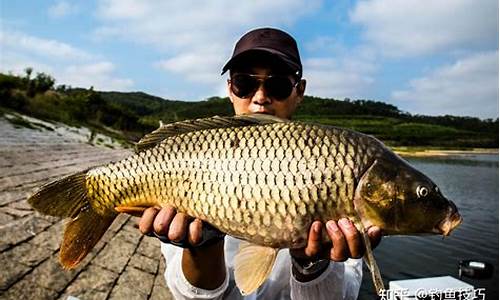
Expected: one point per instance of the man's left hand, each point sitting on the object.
(346, 241)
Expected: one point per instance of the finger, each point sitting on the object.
(163, 219)
(375, 235)
(195, 232)
(147, 219)
(352, 237)
(178, 227)
(339, 249)
(313, 246)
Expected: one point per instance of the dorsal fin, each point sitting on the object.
(167, 130)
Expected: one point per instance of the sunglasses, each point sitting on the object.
(278, 87)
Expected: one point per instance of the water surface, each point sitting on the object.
(472, 183)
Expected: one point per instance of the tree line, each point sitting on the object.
(135, 114)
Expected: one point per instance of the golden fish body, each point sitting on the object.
(259, 178)
(263, 183)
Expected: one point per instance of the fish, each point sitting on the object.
(258, 178)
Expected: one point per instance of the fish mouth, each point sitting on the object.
(452, 220)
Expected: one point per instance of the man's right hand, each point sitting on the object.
(177, 228)
(203, 261)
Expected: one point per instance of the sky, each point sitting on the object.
(424, 56)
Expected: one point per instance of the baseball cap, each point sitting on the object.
(269, 40)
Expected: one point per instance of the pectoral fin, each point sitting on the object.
(252, 265)
(369, 259)
(372, 264)
(135, 211)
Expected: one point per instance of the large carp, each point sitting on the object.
(255, 177)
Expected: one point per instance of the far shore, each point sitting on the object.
(419, 152)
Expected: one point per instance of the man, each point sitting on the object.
(265, 77)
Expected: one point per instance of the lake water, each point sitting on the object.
(472, 183)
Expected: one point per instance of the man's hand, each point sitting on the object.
(167, 223)
(347, 241)
(203, 266)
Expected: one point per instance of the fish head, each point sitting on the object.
(399, 199)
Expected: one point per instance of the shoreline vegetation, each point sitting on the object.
(436, 152)
(127, 117)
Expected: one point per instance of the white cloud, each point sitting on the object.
(99, 75)
(323, 43)
(40, 47)
(195, 37)
(416, 27)
(195, 67)
(469, 87)
(335, 70)
(16, 63)
(61, 9)
(67, 64)
(339, 78)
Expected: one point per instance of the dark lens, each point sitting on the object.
(279, 87)
(243, 85)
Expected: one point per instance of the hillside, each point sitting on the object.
(131, 115)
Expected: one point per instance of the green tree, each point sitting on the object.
(28, 71)
(28, 83)
(43, 82)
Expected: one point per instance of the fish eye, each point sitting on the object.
(422, 191)
(369, 188)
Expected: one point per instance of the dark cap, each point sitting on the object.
(274, 41)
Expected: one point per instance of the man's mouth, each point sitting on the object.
(262, 110)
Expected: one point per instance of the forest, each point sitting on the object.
(131, 115)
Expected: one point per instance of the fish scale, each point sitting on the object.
(283, 180)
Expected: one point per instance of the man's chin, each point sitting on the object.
(263, 111)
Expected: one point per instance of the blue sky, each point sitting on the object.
(424, 56)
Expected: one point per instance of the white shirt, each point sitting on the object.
(338, 281)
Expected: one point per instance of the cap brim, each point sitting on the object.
(289, 63)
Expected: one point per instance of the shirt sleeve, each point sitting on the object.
(338, 281)
(177, 282)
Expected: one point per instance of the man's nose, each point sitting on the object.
(260, 96)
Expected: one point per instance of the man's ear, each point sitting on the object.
(301, 88)
(228, 87)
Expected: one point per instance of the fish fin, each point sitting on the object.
(167, 130)
(81, 235)
(67, 197)
(62, 198)
(369, 259)
(252, 265)
(135, 211)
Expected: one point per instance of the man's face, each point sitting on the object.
(260, 102)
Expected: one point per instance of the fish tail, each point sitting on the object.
(68, 197)
(81, 235)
